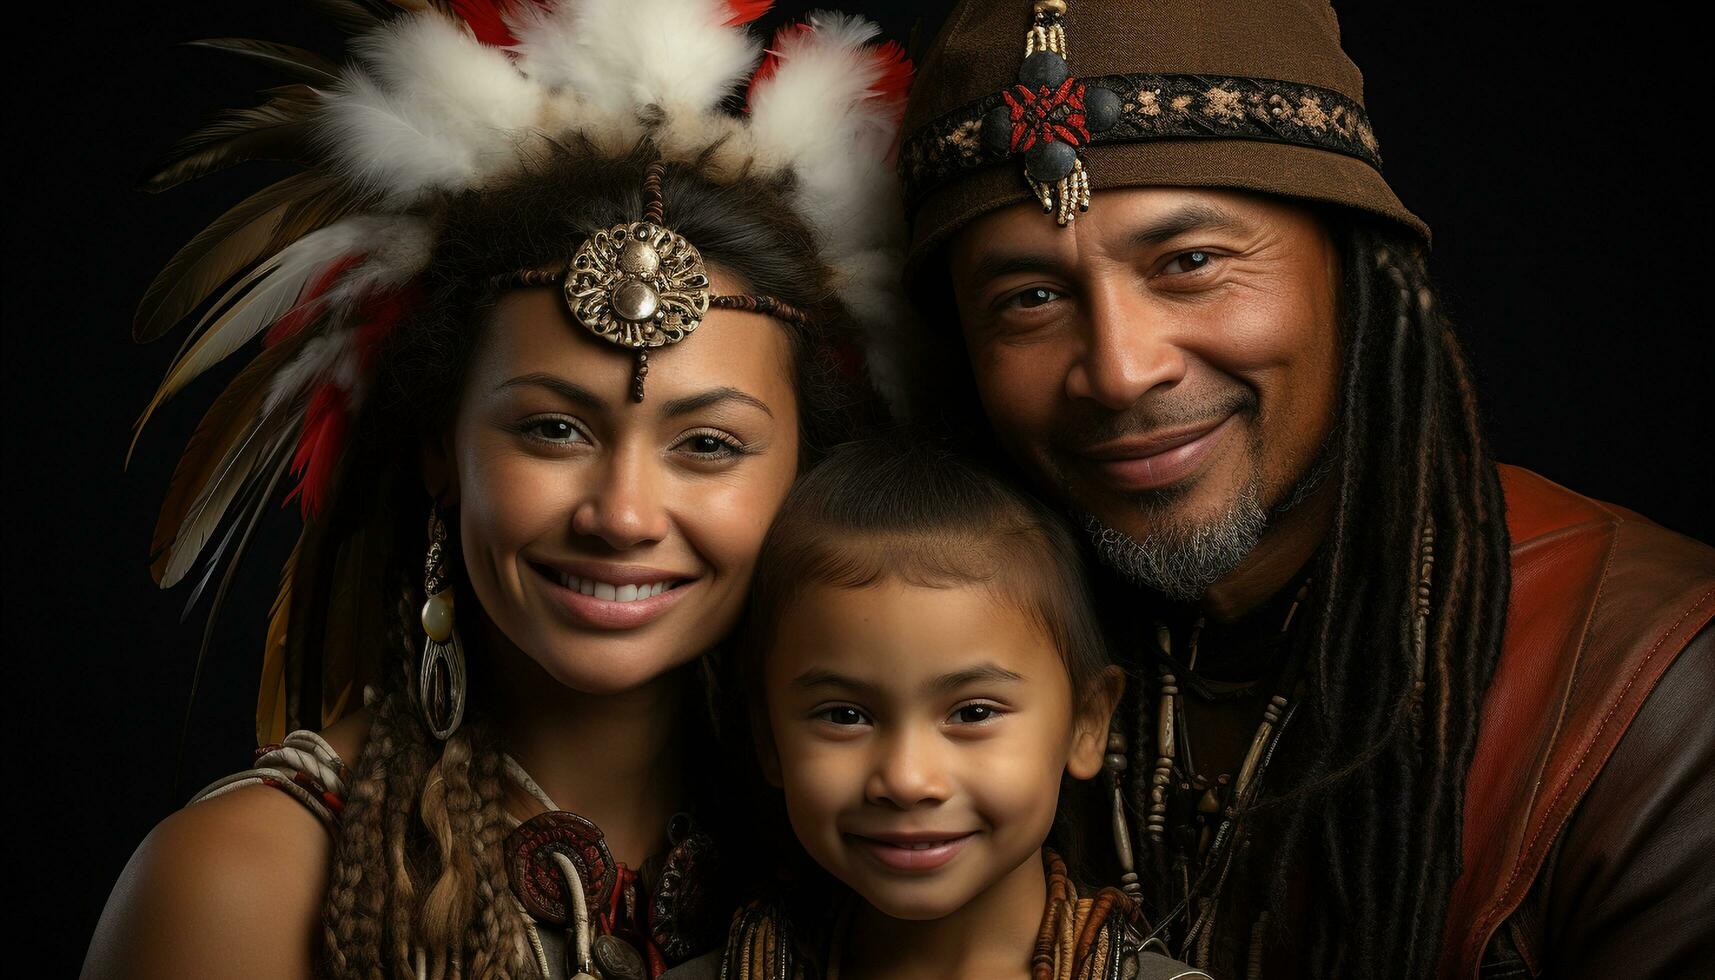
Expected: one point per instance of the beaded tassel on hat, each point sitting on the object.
(1048, 115)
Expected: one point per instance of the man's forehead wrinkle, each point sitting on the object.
(1031, 249)
(1158, 228)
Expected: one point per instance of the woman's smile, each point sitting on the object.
(612, 597)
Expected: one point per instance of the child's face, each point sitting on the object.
(920, 734)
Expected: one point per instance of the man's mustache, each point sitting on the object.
(1088, 427)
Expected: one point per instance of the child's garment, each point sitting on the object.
(1092, 937)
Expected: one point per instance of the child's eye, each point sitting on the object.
(843, 715)
(975, 714)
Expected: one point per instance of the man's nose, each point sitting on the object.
(1130, 346)
(908, 771)
(624, 505)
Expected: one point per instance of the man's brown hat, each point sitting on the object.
(1018, 101)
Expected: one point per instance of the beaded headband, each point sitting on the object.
(641, 285)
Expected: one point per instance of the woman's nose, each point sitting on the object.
(625, 504)
(909, 771)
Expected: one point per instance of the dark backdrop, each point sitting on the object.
(1551, 151)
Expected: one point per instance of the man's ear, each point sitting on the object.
(440, 472)
(1090, 738)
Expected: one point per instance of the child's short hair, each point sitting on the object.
(912, 511)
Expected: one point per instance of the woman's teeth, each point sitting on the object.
(613, 593)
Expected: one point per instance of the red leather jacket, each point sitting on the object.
(1589, 839)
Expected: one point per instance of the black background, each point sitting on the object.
(1551, 151)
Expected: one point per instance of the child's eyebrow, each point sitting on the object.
(993, 673)
(823, 677)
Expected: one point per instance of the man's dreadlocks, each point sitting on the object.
(1368, 823)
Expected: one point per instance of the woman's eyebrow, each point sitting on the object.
(714, 396)
(574, 393)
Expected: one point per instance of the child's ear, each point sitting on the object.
(1090, 738)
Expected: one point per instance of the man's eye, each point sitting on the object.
(1186, 262)
(1032, 298)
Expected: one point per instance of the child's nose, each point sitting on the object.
(909, 771)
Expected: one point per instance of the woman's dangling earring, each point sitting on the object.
(440, 675)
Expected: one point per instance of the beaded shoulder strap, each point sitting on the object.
(303, 766)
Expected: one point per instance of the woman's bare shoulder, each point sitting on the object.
(347, 735)
(232, 885)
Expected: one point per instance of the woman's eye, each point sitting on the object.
(556, 430)
(1032, 298)
(843, 716)
(711, 445)
(1187, 262)
(973, 714)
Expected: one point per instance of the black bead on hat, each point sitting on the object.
(1048, 116)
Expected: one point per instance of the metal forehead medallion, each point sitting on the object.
(638, 285)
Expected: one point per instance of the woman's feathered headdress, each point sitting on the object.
(442, 96)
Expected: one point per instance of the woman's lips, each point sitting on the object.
(905, 854)
(1154, 462)
(596, 611)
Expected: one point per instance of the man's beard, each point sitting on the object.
(1181, 558)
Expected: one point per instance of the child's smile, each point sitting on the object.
(921, 733)
(909, 852)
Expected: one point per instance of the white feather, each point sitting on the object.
(621, 55)
(427, 107)
(819, 117)
(320, 354)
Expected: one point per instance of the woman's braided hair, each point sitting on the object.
(417, 866)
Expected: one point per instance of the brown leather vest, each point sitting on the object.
(1602, 602)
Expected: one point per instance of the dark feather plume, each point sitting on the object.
(227, 422)
(356, 16)
(271, 693)
(255, 229)
(305, 66)
(275, 130)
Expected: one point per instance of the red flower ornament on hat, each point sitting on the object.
(1048, 115)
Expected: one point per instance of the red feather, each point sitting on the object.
(745, 11)
(378, 315)
(771, 59)
(894, 80)
(319, 446)
(309, 301)
(327, 416)
(487, 19)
